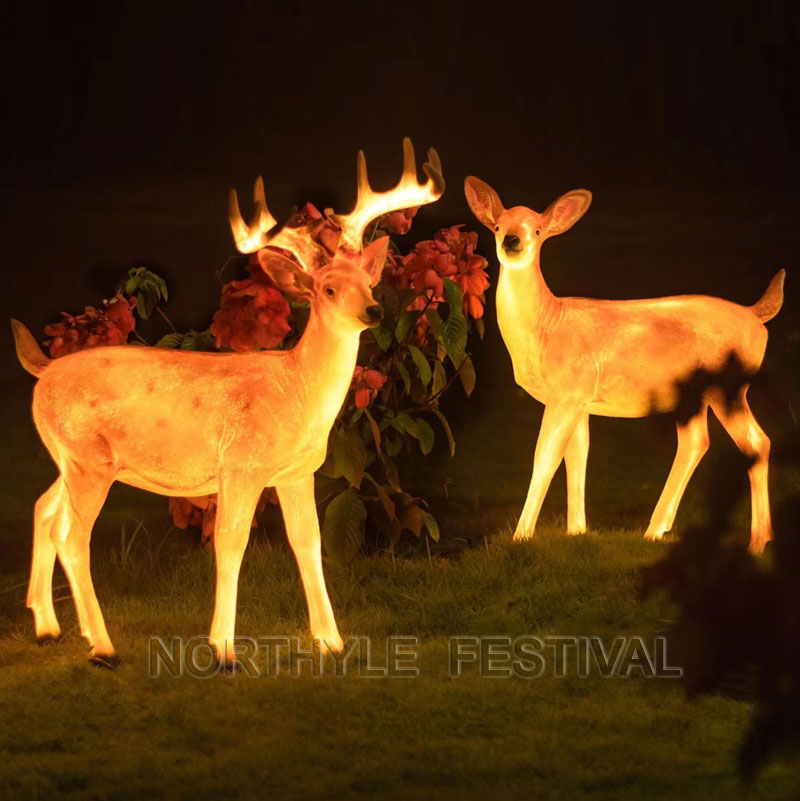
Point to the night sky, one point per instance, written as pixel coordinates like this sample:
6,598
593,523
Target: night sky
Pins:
125,128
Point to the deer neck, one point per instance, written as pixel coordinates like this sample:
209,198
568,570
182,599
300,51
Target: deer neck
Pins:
525,304
326,357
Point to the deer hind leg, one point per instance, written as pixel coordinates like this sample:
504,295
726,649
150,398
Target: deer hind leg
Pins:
40,588
575,456
80,504
558,425
236,505
692,445
741,425
302,528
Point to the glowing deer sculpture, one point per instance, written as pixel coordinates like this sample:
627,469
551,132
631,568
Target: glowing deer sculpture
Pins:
187,424
581,356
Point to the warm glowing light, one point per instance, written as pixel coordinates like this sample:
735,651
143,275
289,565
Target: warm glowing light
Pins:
186,424
581,356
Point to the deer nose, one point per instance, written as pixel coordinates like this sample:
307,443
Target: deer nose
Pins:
375,313
510,242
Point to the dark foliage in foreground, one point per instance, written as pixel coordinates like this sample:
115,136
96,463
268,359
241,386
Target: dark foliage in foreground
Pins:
738,630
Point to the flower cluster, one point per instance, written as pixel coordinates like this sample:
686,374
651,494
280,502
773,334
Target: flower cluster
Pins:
450,254
110,325
253,314
365,385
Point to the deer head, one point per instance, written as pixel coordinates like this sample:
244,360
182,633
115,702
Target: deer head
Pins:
519,232
335,272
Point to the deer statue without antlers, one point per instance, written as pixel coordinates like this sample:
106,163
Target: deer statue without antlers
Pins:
619,358
231,423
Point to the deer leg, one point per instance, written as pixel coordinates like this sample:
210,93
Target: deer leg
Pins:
236,505
302,528
81,502
692,445
558,424
575,456
741,425
40,588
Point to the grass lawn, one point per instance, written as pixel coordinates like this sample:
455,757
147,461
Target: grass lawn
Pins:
69,729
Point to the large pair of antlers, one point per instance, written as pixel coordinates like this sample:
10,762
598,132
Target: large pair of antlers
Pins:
369,206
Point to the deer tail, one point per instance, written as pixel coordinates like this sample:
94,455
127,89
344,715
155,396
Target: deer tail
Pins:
772,300
28,351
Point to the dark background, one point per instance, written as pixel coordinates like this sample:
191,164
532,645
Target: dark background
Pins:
126,126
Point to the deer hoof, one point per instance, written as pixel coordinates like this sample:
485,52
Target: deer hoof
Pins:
106,661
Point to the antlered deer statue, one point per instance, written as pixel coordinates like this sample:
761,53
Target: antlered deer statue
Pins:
187,424
581,356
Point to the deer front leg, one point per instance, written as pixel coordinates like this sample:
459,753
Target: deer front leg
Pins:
236,505
558,424
575,456
692,445
302,528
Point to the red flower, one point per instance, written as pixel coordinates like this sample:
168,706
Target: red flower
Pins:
366,384
252,315
110,325
398,222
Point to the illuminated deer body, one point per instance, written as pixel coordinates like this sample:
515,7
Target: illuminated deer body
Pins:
188,424
581,356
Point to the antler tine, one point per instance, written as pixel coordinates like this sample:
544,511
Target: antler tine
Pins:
409,159
266,222
408,193
249,238
433,169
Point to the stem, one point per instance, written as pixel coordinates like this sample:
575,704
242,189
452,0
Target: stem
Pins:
449,382
140,338
168,321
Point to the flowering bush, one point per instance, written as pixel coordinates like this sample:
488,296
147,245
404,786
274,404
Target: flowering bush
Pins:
110,325
431,298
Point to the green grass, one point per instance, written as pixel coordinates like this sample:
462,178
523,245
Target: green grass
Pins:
73,730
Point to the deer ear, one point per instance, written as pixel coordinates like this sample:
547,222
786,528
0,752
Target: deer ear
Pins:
483,200
373,258
563,213
287,275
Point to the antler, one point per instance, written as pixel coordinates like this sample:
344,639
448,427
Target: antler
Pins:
369,205
250,238
408,192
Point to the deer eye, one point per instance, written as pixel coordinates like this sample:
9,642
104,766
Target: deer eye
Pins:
496,228
330,291
537,232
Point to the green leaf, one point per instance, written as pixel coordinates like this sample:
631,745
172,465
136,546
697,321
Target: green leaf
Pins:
439,378
429,521
425,436
393,444
199,340
409,513
383,336
143,307
343,526
423,368
392,476
437,326
443,420
376,432
405,424
401,368
455,328
480,327
405,324
467,375
383,496
350,455
170,341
